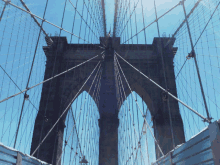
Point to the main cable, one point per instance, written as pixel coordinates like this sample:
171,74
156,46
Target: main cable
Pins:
49,78
205,119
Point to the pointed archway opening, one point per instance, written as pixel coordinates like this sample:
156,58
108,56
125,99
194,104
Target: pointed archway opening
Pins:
81,134
136,143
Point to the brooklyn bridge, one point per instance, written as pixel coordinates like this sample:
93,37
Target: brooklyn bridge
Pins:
109,83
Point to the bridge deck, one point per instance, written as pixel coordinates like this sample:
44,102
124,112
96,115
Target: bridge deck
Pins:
200,149
11,156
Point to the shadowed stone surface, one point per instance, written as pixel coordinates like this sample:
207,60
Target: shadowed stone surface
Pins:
108,109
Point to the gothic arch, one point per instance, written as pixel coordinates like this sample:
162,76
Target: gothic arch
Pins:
153,97
72,94
146,138
148,61
80,126
142,92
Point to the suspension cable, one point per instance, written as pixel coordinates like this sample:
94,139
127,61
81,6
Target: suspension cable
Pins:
205,119
49,40
6,2
120,82
83,19
199,37
64,110
51,24
17,86
138,105
181,25
153,21
49,79
129,16
164,76
197,68
80,112
30,73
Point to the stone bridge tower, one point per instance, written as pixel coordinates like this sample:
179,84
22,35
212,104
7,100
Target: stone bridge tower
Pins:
63,88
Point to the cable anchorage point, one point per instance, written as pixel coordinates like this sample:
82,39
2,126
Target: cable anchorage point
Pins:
26,96
190,55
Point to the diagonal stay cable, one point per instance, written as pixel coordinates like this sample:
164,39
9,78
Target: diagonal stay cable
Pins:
181,68
50,23
17,86
49,40
120,82
181,25
165,80
83,18
153,22
31,69
96,88
95,96
94,108
98,23
124,14
138,105
64,110
132,122
80,113
84,103
53,69
49,79
91,17
120,100
199,36
205,119
129,16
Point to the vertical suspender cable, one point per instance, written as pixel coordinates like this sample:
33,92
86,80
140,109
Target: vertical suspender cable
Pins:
3,10
51,83
29,76
197,68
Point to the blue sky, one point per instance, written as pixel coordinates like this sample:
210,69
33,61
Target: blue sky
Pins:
18,36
